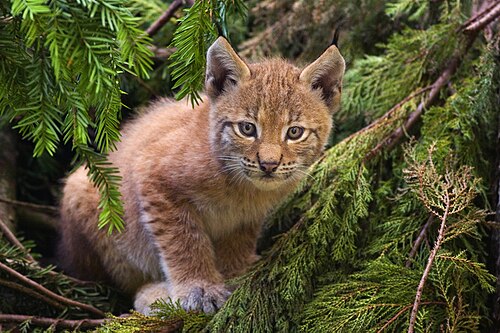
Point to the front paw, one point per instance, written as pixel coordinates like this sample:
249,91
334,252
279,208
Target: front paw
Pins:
148,294
206,298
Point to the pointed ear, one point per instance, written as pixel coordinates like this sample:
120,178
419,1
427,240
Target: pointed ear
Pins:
325,74
224,68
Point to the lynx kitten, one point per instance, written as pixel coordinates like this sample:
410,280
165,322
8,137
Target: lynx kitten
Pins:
197,183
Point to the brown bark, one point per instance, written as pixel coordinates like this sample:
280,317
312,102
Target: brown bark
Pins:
8,157
495,238
167,15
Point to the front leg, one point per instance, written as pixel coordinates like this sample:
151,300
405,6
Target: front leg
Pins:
237,251
186,257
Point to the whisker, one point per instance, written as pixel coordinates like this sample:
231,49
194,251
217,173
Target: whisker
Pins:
305,173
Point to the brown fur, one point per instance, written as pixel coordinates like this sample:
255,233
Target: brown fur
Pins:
193,187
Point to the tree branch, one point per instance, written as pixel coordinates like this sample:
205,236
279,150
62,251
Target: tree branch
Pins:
45,208
481,20
12,239
386,116
47,322
478,22
50,293
419,240
32,293
403,310
8,158
430,261
167,15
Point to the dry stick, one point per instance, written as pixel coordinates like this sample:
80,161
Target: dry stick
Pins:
46,208
49,293
47,322
419,240
31,292
11,238
167,15
430,261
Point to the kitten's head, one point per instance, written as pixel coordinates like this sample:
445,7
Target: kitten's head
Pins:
270,121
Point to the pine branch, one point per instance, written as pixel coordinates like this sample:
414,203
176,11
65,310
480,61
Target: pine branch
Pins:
50,293
165,17
52,322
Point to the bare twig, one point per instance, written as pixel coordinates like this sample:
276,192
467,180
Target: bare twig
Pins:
50,293
162,53
31,292
430,261
47,322
419,240
49,209
403,310
12,238
167,15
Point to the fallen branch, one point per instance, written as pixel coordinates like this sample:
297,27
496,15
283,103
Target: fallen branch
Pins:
167,15
52,322
50,293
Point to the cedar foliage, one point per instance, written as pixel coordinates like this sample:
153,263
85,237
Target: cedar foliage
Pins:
376,218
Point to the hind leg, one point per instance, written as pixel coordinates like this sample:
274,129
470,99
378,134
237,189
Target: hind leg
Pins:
87,252
79,250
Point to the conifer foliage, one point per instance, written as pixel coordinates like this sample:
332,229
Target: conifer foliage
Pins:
387,233
60,65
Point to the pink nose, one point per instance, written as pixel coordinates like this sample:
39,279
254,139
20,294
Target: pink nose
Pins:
268,167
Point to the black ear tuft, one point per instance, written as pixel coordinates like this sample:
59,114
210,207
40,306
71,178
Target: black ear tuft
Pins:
336,31
335,39
220,31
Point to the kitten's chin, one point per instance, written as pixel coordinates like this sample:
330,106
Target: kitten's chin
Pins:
273,184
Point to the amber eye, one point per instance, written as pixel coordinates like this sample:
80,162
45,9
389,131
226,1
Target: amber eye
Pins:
247,129
294,133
